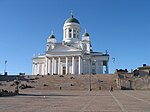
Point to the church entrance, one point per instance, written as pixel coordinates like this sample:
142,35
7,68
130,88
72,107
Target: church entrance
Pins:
64,70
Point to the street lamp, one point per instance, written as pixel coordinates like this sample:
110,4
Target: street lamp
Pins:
89,59
90,71
5,73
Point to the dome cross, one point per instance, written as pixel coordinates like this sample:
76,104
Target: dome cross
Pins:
71,13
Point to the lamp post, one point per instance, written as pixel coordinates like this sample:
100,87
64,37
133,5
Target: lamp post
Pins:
90,70
5,68
89,59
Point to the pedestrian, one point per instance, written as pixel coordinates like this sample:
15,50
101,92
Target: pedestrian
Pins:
111,88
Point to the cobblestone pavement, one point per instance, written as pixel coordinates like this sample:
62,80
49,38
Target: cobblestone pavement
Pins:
77,101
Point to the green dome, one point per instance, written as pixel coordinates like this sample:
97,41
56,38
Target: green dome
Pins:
85,34
72,20
52,36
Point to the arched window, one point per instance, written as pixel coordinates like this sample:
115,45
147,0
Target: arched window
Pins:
70,33
74,33
77,34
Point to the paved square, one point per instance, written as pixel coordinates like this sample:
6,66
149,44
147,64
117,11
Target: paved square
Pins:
77,101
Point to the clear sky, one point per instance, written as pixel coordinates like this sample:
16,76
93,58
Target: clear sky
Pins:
120,26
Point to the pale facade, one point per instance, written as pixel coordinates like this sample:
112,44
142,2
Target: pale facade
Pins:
72,56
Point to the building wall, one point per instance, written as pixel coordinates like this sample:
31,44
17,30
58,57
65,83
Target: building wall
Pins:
88,65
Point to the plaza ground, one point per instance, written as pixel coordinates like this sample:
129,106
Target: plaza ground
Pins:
77,101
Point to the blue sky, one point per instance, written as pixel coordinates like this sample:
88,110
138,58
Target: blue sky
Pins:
120,26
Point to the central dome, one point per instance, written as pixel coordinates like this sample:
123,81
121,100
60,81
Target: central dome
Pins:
72,20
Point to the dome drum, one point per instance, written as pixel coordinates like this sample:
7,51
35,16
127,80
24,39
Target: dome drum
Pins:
71,30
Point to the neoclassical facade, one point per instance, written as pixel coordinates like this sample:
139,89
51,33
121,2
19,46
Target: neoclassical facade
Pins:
74,55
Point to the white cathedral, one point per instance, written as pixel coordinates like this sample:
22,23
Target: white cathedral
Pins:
72,56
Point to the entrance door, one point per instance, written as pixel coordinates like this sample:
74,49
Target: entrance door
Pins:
64,70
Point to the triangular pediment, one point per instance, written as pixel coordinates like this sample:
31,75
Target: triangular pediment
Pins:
64,48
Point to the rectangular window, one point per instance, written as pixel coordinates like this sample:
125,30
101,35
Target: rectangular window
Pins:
77,35
74,35
70,35
93,63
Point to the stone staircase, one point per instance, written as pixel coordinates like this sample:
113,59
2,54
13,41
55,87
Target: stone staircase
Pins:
69,82
75,82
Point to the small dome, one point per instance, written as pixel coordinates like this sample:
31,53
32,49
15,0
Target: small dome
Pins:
51,36
85,34
72,20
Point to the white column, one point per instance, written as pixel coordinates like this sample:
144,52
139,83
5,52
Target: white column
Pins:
52,70
64,34
32,68
46,66
59,66
48,69
38,69
73,67
71,33
80,65
55,63
61,70
35,69
49,66
66,65
42,69
67,35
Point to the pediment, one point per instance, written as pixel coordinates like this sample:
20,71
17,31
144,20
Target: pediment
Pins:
64,48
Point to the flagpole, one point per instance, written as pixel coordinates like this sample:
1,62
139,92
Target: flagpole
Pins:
5,67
